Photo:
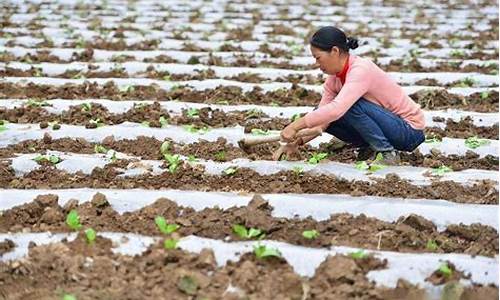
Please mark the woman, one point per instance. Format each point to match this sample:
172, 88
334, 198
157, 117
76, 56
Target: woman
361, 105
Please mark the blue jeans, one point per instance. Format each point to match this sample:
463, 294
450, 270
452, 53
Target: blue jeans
368, 124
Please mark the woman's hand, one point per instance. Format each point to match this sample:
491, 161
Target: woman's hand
288, 134
290, 150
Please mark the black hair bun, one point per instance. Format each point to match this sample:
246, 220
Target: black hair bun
352, 43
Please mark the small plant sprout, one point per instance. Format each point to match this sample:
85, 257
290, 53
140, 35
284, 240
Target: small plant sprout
163, 122
262, 251
485, 95
3, 126
192, 128
54, 125
317, 157
220, 155
229, 171
258, 131
97, 122
35, 103
165, 147
298, 170
245, 233
86, 106
53, 159
254, 113
68, 297
475, 142
192, 158
140, 105
360, 254
170, 244
113, 157
361, 165
193, 112
441, 170
73, 220
466, 82
457, 53
274, 104
432, 139
431, 245
445, 270
145, 123
90, 235
167, 77
310, 234
222, 102
127, 89
100, 149
164, 227
295, 117
174, 161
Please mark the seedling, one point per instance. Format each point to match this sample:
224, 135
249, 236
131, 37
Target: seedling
362, 165
295, 117
173, 160
274, 104
262, 251
100, 149
193, 112
245, 233
113, 155
145, 123
163, 121
257, 131
86, 106
35, 103
475, 142
165, 146
457, 53
53, 159
220, 155
170, 244
431, 245
358, 254
140, 106
229, 171
3, 127
127, 89
445, 270
164, 227
254, 113
317, 157
97, 121
54, 125
298, 170
90, 235
222, 102
193, 60
466, 82
432, 139
37, 72
485, 95
193, 129
68, 297
441, 170
310, 234
73, 220
192, 158
187, 285
167, 77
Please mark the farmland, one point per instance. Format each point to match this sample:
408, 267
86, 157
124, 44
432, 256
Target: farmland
121, 176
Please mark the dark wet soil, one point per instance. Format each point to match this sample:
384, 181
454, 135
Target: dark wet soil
408, 234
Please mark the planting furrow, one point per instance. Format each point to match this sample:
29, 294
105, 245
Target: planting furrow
291, 206
180, 72
410, 233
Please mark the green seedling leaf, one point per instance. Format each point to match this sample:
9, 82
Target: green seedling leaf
441, 170
113, 155
257, 131
274, 104
298, 170
475, 142
100, 149
485, 95
192, 158
317, 157
86, 106
222, 102
254, 113
445, 270
3, 127
362, 165
193, 112
187, 285
165, 146
295, 117
163, 121
229, 171
164, 227
90, 234
358, 254
376, 167
310, 234
261, 251
127, 89
35, 103
170, 244
145, 123
167, 77
245, 233
68, 297
53, 159
431, 245
97, 121
432, 139
174, 162
220, 155
73, 220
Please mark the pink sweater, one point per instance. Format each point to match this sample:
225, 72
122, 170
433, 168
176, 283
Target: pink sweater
364, 79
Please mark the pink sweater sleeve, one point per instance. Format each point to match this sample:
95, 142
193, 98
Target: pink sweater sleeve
329, 91
356, 85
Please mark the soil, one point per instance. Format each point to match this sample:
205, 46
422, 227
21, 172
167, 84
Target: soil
295, 96
246, 180
408, 234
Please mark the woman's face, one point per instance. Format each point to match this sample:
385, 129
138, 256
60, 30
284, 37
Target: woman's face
328, 62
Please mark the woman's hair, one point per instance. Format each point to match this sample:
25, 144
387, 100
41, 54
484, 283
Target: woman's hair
329, 36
